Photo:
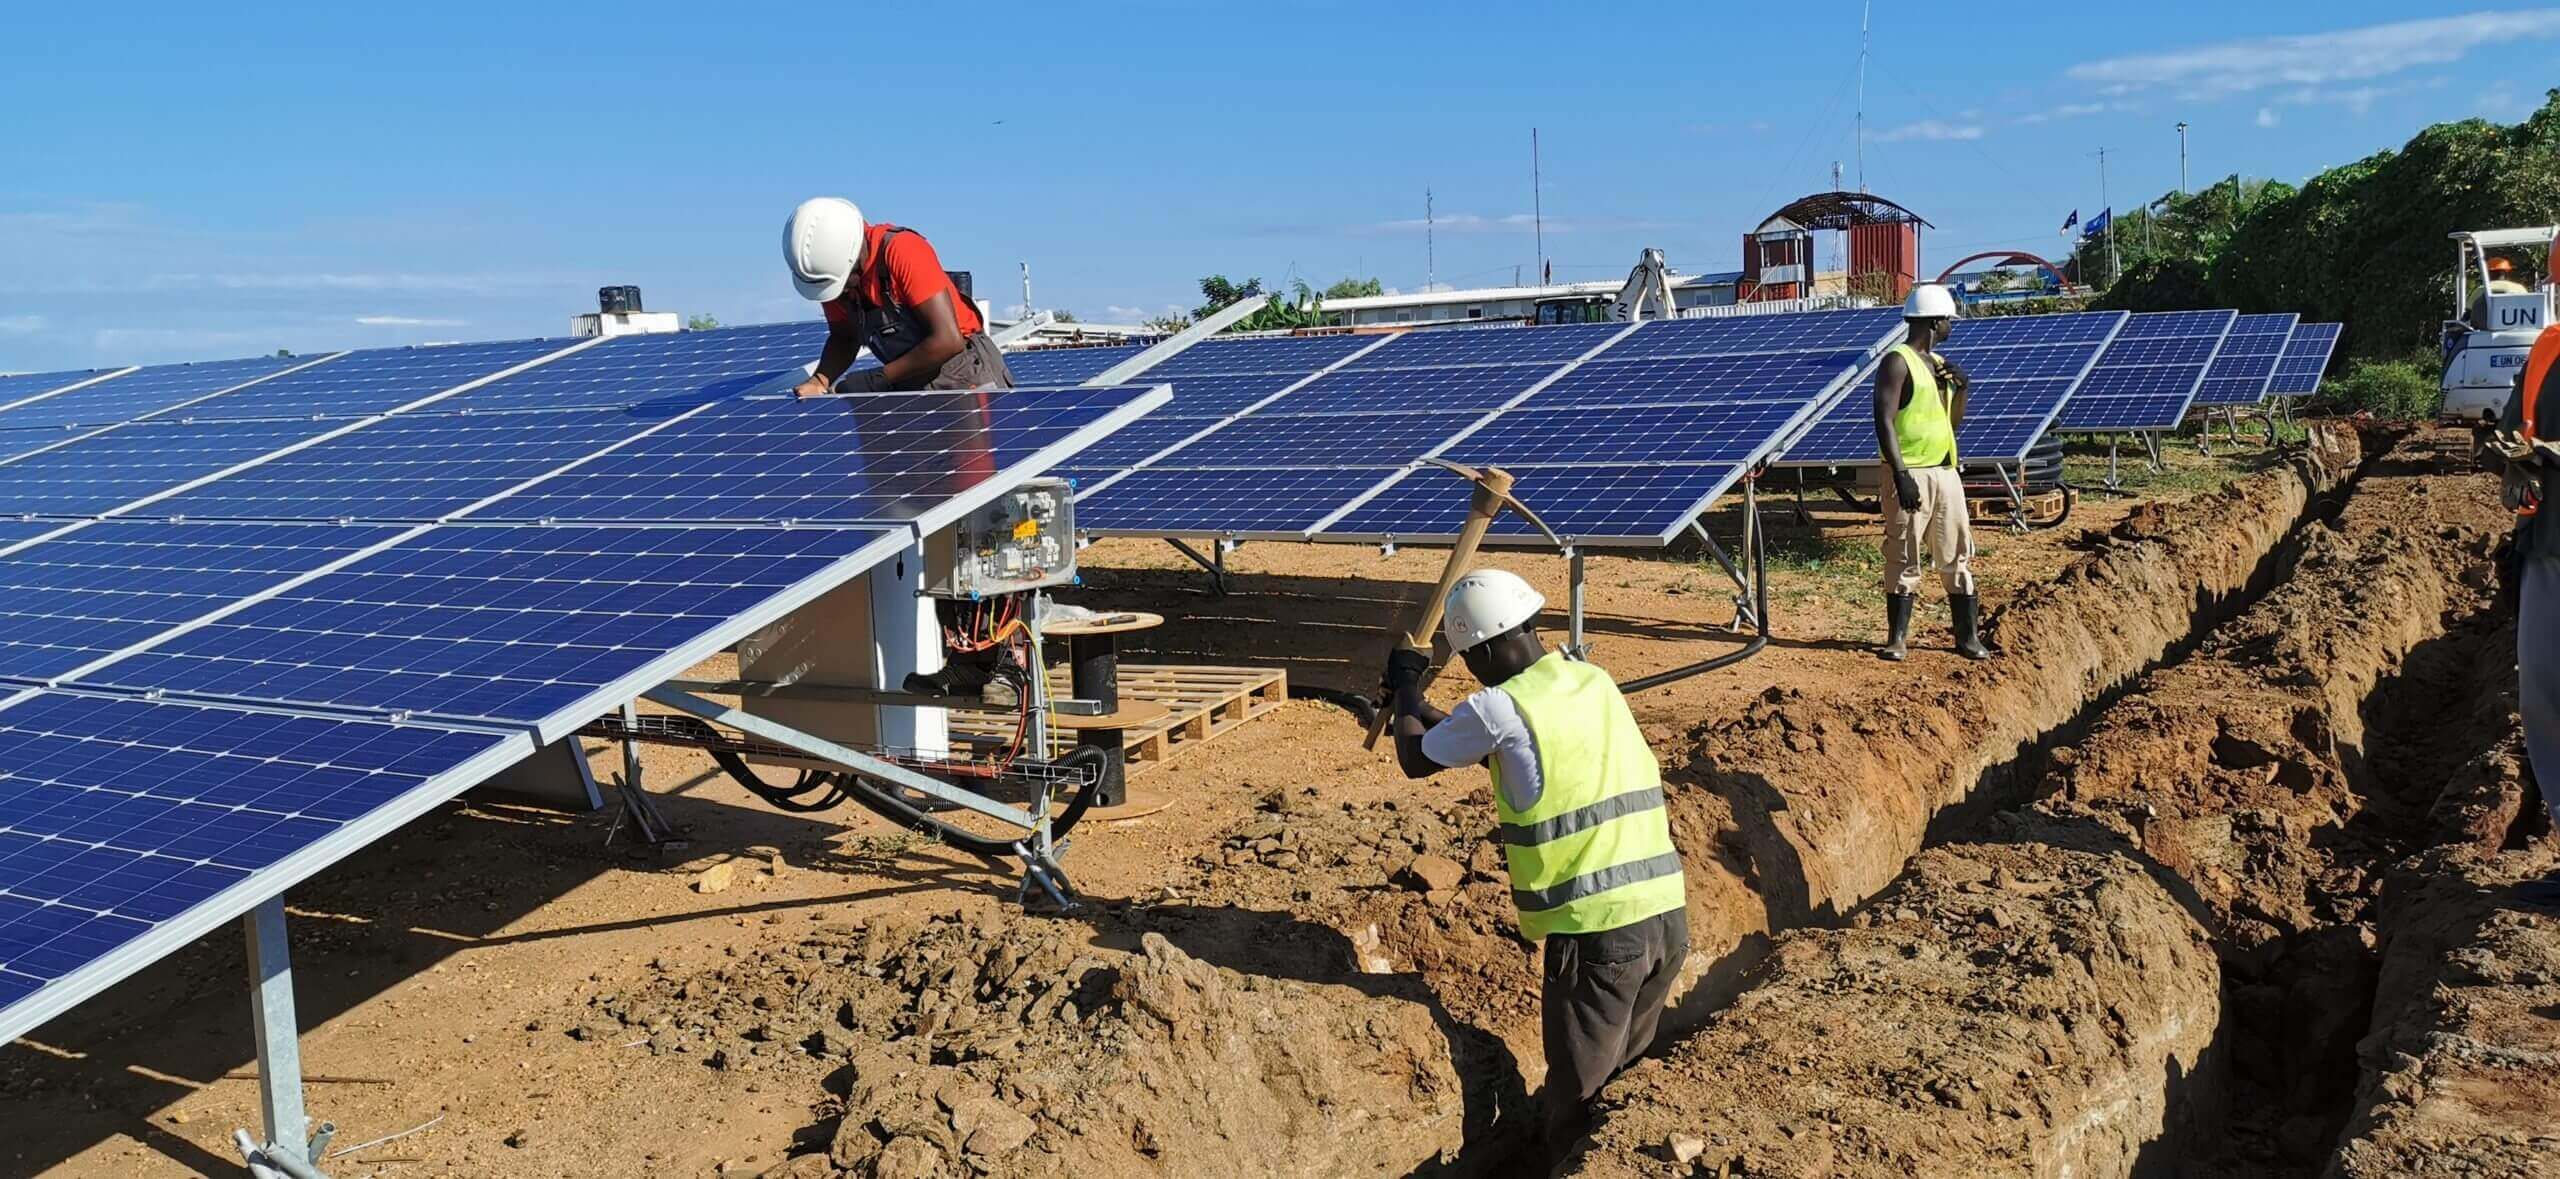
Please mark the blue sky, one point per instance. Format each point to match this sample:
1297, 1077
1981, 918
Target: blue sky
192, 181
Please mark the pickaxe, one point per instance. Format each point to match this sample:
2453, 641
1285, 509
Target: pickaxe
1492, 494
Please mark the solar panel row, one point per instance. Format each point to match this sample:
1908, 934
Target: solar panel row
2305, 359
2023, 370
2240, 372
2147, 377
130, 824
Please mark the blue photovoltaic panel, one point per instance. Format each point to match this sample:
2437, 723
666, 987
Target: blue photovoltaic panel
1140, 439
1764, 376
877, 457
1224, 396
2260, 335
1268, 440
109, 470
14, 531
1284, 502
144, 392
371, 381
2023, 368
1806, 331
1721, 432
20, 443
1066, 366
94, 591
1585, 502
2147, 377
157, 389
1549, 346
2242, 369
2306, 357
2150, 324
119, 818
410, 467
1274, 354
511, 624
17, 387
660, 373
1476, 389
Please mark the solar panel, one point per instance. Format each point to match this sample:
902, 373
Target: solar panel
1067, 366
662, 373
371, 381
1477, 389
1218, 397
509, 624
1714, 432
1268, 441
2148, 375
109, 470
2305, 359
94, 591
882, 457
1552, 345
1697, 380
130, 827
1594, 502
408, 467
1270, 354
2241, 371
158, 389
2023, 368
1281, 503
1808, 331
18, 387
20, 443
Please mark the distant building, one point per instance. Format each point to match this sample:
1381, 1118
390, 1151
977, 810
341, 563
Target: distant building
1564, 302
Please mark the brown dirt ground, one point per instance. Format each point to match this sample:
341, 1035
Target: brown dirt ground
441, 974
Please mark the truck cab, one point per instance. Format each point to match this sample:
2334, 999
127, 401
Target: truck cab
2487, 338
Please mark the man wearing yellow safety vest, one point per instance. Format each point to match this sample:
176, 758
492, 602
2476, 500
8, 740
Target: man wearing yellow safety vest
1919, 404
2532, 466
1583, 830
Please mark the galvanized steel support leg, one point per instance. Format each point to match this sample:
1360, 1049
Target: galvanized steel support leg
2017, 499
1573, 644
289, 1149
1215, 568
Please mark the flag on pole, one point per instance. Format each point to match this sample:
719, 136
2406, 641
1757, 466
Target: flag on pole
2097, 225
2073, 219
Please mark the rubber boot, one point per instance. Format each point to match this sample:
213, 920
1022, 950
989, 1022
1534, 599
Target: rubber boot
1897, 627
1967, 609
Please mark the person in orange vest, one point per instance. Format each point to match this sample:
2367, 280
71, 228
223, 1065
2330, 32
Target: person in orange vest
883, 288
1584, 828
2532, 464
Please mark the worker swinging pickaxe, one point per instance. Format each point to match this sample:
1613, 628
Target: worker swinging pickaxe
1492, 494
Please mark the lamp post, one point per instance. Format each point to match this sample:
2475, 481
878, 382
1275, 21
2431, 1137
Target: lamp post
2182, 157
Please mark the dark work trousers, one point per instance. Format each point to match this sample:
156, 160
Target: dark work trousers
1603, 1002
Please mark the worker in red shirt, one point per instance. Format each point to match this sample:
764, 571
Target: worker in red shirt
884, 288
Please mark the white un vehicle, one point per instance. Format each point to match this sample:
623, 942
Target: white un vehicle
2485, 345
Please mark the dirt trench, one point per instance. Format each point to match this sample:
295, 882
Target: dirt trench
2250, 795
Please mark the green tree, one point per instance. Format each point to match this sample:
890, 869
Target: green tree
701, 323
1220, 292
284, 353
1354, 288
1063, 316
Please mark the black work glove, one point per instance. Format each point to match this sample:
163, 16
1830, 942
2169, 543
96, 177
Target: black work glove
1405, 665
1956, 378
1907, 490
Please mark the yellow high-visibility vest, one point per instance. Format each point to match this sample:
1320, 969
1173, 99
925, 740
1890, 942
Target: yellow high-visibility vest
1594, 853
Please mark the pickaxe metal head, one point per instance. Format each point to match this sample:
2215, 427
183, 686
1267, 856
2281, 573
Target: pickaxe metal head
1497, 482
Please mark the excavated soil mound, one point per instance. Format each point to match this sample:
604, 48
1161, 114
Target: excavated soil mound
2463, 1067
1013, 1046
2003, 1010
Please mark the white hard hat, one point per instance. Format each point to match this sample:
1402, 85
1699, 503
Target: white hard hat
1485, 604
1929, 301
822, 243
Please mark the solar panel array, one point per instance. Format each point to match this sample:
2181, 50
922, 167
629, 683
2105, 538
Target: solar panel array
279, 607
2247, 362
2305, 358
2146, 379
1618, 433
2023, 370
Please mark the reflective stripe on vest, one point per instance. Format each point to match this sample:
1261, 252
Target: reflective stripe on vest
1922, 425
2537, 366
1594, 852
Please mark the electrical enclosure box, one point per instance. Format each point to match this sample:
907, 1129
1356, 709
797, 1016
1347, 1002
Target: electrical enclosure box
1023, 540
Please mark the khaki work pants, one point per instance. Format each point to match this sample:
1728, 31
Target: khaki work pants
1936, 532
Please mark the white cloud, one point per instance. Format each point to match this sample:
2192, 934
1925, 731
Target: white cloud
21, 325
2267, 116
405, 321
2226, 68
2071, 110
1930, 129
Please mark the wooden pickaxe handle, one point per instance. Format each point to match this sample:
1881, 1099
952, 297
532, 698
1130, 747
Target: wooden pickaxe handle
1492, 491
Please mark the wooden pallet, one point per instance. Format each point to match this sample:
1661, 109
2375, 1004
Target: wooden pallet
1201, 702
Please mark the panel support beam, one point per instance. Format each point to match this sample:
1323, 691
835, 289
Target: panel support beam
286, 1152
1216, 567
